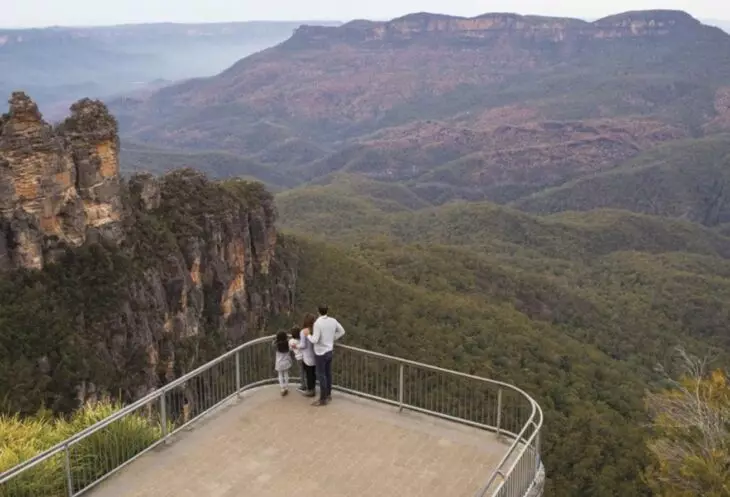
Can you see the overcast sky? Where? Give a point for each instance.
(25, 13)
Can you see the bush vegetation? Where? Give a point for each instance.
(577, 309)
(91, 458)
(690, 439)
(684, 179)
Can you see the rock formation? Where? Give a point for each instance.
(432, 28)
(57, 186)
(187, 267)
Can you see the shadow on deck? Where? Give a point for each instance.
(263, 445)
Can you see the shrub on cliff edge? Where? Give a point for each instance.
(96, 455)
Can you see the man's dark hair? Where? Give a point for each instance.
(322, 310)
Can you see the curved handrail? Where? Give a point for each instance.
(508, 454)
(438, 369)
(534, 420)
(518, 438)
(58, 448)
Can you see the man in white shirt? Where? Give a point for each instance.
(326, 331)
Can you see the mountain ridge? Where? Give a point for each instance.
(521, 92)
(453, 109)
(627, 24)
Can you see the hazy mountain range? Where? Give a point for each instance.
(500, 107)
(59, 65)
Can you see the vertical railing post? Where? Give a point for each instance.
(163, 414)
(238, 373)
(400, 387)
(499, 412)
(69, 478)
(537, 451)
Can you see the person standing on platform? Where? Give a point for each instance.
(326, 331)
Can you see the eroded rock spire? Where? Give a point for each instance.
(59, 186)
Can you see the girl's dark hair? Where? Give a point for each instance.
(282, 341)
(309, 320)
(295, 332)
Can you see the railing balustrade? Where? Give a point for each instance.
(81, 462)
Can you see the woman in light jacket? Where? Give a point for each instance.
(307, 350)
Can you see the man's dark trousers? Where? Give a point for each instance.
(323, 364)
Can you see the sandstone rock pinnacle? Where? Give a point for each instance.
(23, 109)
(63, 184)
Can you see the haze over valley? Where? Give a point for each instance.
(59, 65)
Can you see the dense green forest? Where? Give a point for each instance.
(685, 179)
(578, 309)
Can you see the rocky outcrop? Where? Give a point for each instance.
(167, 272)
(223, 277)
(57, 186)
(434, 28)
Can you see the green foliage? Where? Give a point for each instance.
(51, 322)
(338, 212)
(94, 456)
(388, 197)
(253, 194)
(690, 442)
(576, 308)
(686, 179)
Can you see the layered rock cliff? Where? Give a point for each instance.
(57, 186)
(142, 280)
(433, 28)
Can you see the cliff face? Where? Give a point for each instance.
(57, 186)
(425, 27)
(186, 268)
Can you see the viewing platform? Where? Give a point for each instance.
(394, 427)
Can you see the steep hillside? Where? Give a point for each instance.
(577, 308)
(59, 65)
(494, 107)
(218, 165)
(341, 211)
(687, 179)
(116, 287)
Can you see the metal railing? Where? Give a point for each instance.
(81, 462)
(467, 399)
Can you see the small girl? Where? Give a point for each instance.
(295, 345)
(282, 360)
